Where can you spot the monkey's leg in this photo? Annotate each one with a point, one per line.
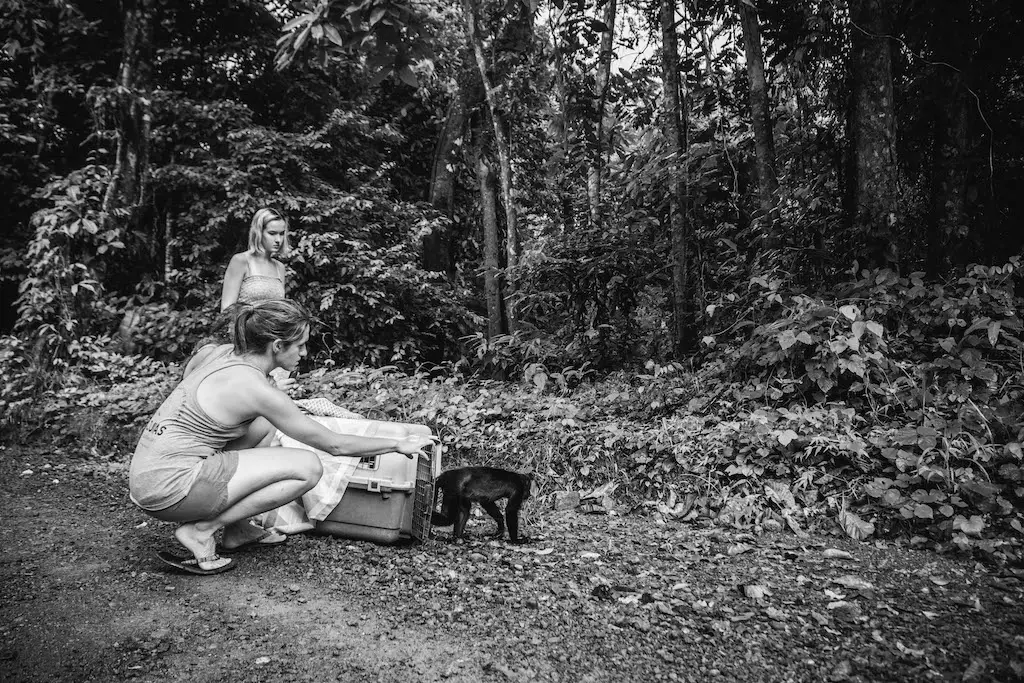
(512, 515)
(492, 509)
(461, 517)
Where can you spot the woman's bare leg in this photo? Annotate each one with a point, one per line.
(266, 478)
(260, 435)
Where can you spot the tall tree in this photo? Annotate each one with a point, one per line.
(564, 122)
(872, 204)
(764, 144)
(131, 108)
(503, 149)
(947, 213)
(601, 81)
(683, 319)
(437, 254)
(492, 242)
(950, 35)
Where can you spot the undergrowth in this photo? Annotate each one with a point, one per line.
(894, 408)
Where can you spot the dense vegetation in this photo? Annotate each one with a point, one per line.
(758, 261)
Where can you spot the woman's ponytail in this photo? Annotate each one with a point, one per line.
(239, 338)
(265, 322)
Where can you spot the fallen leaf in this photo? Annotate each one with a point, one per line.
(842, 670)
(855, 527)
(939, 580)
(845, 611)
(589, 555)
(534, 551)
(930, 615)
(601, 491)
(853, 582)
(778, 491)
(755, 592)
(793, 526)
(909, 651)
(746, 616)
(836, 554)
(974, 670)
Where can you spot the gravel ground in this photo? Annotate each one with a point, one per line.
(593, 598)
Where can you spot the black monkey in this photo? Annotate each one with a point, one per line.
(485, 485)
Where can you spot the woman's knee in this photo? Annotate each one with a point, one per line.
(310, 467)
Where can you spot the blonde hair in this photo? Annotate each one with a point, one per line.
(259, 223)
(264, 322)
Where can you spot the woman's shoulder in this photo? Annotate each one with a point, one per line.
(205, 354)
(235, 372)
(282, 267)
(239, 262)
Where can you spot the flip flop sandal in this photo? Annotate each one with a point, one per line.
(191, 564)
(269, 538)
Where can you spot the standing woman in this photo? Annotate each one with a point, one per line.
(204, 460)
(258, 273)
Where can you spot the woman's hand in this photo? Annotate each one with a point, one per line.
(414, 443)
(285, 384)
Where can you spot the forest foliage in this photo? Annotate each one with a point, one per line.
(798, 299)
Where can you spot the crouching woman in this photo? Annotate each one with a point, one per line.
(204, 459)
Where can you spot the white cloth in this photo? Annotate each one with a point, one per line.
(317, 503)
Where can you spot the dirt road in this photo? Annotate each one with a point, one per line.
(597, 598)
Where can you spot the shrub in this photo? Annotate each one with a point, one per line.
(376, 306)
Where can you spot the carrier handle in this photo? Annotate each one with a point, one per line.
(373, 486)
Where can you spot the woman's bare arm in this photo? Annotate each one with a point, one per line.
(233, 280)
(282, 412)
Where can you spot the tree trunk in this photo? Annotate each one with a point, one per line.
(596, 157)
(566, 178)
(952, 142)
(492, 243)
(169, 218)
(503, 148)
(764, 145)
(948, 202)
(127, 186)
(683, 318)
(872, 208)
(437, 245)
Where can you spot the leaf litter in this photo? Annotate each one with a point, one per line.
(663, 601)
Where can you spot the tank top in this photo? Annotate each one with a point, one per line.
(260, 287)
(179, 437)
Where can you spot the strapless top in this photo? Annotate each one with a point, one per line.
(260, 288)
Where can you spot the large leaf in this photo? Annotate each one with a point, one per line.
(855, 527)
(408, 77)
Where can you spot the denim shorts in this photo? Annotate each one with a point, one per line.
(208, 496)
